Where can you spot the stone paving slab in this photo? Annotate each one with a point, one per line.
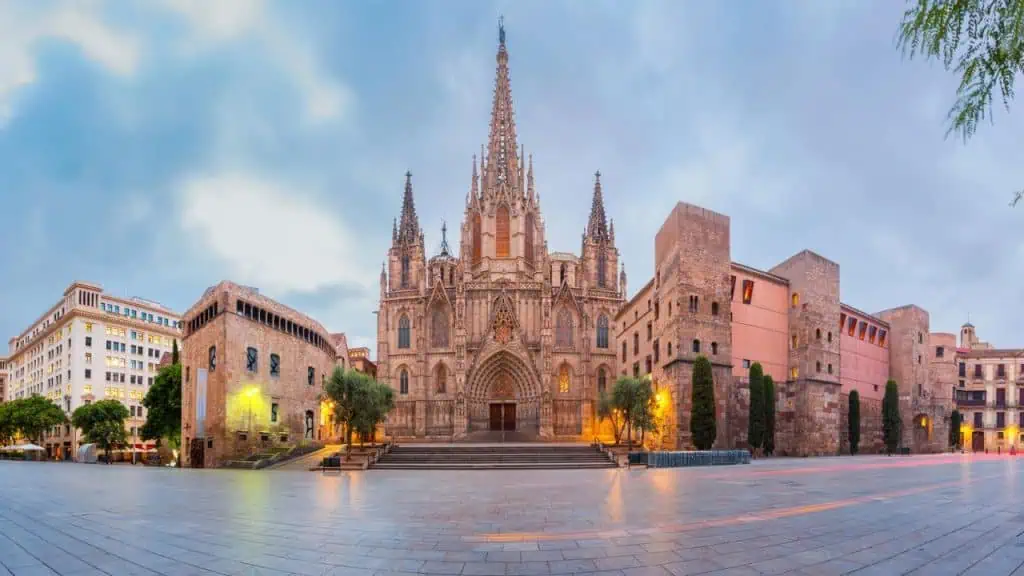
(928, 515)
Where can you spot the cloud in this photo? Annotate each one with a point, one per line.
(213, 23)
(269, 234)
(24, 27)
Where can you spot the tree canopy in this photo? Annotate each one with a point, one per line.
(102, 423)
(163, 407)
(358, 401)
(703, 426)
(982, 41)
(892, 424)
(755, 413)
(29, 417)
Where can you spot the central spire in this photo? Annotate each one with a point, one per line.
(502, 169)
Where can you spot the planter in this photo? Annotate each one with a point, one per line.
(697, 458)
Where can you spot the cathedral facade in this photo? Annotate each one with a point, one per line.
(504, 336)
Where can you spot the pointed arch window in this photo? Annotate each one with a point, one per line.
(403, 382)
(563, 379)
(502, 232)
(563, 329)
(476, 238)
(439, 328)
(602, 331)
(403, 332)
(405, 271)
(529, 237)
(441, 385)
(602, 265)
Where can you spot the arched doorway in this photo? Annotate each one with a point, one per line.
(503, 394)
(922, 431)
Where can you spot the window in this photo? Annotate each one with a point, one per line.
(696, 346)
(602, 331)
(273, 412)
(88, 326)
(871, 334)
(647, 364)
(669, 308)
(528, 240)
(851, 326)
(920, 338)
(817, 333)
(275, 366)
(793, 341)
(1000, 419)
(817, 366)
(439, 328)
(564, 329)
(1001, 371)
(405, 272)
(636, 343)
(977, 420)
(650, 331)
(863, 330)
(501, 224)
(212, 353)
(403, 332)
(694, 303)
(714, 308)
(732, 288)
(251, 359)
(88, 341)
(670, 350)
(88, 357)
(748, 291)
(88, 374)
(310, 375)
(796, 301)
(977, 370)
(657, 350)
(108, 344)
(602, 380)
(746, 363)
(830, 336)
(829, 368)
(940, 351)
(657, 310)
(636, 369)
(602, 264)
(794, 373)
(403, 382)
(442, 379)
(714, 348)
(623, 351)
(881, 338)
(918, 358)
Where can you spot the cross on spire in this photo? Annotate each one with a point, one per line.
(444, 239)
(409, 224)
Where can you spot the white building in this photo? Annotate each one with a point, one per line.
(91, 346)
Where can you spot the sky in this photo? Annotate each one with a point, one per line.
(160, 147)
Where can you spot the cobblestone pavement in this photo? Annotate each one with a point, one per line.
(928, 515)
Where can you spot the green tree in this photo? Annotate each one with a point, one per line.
(853, 421)
(606, 411)
(892, 425)
(644, 412)
(703, 427)
(769, 414)
(626, 397)
(980, 40)
(174, 353)
(163, 407)
(372, 401)
(7, 428)
(340, 390)
(102, 423)
(31, 416)
(755, 413)
(954, 429)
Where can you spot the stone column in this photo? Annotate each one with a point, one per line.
(421, 418)
(547, 425)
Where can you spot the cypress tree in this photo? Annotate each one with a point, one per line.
(702, 414)
(892, 426)
(954, 429)
(755, 415)
(769, 414)
(854, 421)
(174, 352)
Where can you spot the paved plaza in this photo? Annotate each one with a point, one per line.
(928, 515)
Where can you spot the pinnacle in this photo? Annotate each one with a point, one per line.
(408, 231)
(597, 226)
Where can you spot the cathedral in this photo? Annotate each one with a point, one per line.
(504, 337)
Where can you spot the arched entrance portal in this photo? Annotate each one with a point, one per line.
(503, 394)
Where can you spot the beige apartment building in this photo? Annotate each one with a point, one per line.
(89, 346)
(989, 393)
(3, 379)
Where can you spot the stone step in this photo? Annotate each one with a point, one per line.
(494, 457)
(383, 465)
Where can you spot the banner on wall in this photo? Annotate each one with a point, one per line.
(201, 403)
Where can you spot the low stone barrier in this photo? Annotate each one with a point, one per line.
(697, 458)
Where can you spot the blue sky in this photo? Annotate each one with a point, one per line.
(159, 147)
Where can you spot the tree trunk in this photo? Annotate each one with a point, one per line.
(629, 434)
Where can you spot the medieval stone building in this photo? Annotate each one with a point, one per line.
(505, 335)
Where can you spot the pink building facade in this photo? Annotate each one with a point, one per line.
(760, 322)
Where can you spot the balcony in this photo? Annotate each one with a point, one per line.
(970, 402)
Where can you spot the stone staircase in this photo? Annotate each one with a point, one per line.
(533, 456)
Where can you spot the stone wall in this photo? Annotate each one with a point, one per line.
(871, 439)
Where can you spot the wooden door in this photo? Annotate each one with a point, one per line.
(978, 441)
(495, 417)
(197, 455)
(510, 417)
